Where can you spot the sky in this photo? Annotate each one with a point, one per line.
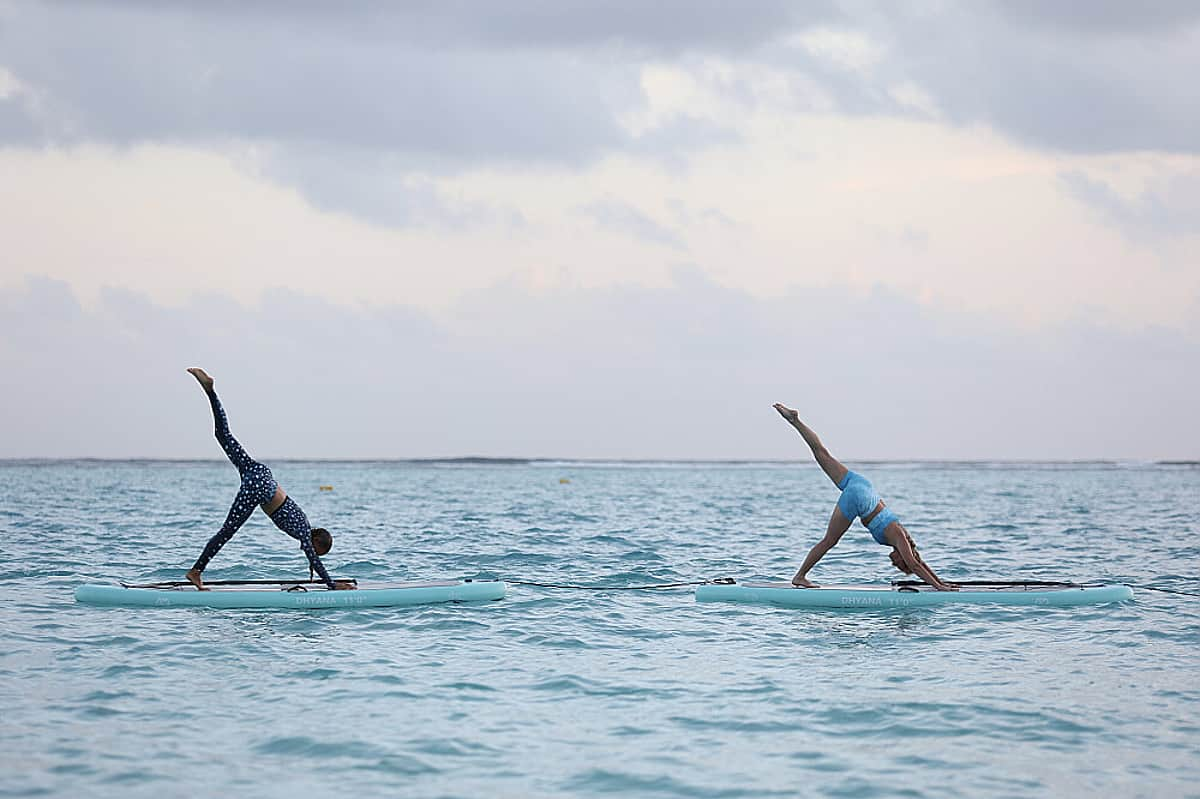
(609, 230)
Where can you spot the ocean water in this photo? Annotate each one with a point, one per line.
(554, 693)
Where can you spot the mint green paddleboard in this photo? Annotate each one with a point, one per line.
(288, 594)
(913, 595)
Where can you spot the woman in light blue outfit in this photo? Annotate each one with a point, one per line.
(859, 500)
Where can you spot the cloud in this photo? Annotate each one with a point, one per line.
(1053, 75)
(461, 83)
(153, 75)
(665, 26)
(454, 87)
(372, 187)
(679, 138)
(615, 215)
(688, 216)
(1049, 75)
(360, 107)
(1167, 206)
(685, 371)
(1108, 17)
(372, 110)
(18, 111)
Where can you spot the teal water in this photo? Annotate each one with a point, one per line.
(554, 693)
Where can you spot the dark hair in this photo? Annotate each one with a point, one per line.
(322, 540)
(901, 565)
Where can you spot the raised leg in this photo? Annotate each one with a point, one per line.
(829, 464)
(233, 450)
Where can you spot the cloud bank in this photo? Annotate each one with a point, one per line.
(412, 90)
(476, 210)
(687, 371)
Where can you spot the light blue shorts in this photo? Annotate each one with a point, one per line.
(858, 497)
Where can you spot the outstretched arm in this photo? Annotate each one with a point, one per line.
(838, 525)
(919, 567)
(314, 561)
(829, 464)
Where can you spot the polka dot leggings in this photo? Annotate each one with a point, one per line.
(258, 487)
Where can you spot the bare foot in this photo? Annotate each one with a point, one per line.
(802, 582)
(193, 577)
(343, 585)
(787, 413)
(202, 378)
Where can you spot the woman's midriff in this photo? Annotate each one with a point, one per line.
(277, 500)
(866, 520)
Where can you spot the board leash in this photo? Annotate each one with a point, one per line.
(1162, 590)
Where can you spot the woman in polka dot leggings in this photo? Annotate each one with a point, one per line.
(258, 488)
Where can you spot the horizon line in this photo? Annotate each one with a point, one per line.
(518, 460)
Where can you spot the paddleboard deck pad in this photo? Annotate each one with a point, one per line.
(908, 594)
(301, 594)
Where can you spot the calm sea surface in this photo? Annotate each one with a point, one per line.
(577, 693)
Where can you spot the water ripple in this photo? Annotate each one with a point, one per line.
(631, 693)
